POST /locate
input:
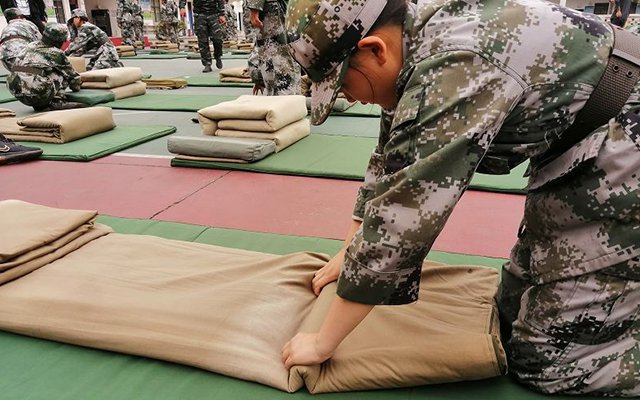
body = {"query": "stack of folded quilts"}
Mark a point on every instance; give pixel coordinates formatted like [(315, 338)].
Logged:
[(246, 129), (59, 126), (126, 51), (240, 74), (165, 83), (122, 82), (139, 44), (78, 63), (166, 46)]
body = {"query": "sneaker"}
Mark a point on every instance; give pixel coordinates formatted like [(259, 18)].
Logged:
[(66, 105), (207, 68), (10, 152), (219, 63)]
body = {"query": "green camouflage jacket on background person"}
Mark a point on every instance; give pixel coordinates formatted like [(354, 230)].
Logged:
[(15, 37)]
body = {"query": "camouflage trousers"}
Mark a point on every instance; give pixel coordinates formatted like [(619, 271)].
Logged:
[(570, 295), (280, 72), (36, 91), (10, 49), (208, 26), (168, 30), (106, 57), (127, 32)]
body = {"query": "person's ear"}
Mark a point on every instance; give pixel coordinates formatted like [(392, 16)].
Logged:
[(376, 46)]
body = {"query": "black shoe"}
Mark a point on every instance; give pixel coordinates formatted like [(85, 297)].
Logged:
[(66, 105), (207, 68), (219, 63), (10, 152)]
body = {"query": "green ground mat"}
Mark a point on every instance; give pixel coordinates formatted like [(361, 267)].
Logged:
[(5, 95), (342, 157), (91, 96), (225, 56), (360, 110), (102, 144), (149, 56), (212, 80), (37, 369), (174, 102)]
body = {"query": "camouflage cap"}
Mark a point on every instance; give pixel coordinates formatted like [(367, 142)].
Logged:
[(322, 35), (55, 34), (12, 13), (78, 12)]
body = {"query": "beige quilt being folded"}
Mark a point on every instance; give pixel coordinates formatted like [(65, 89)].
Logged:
[(283, 137), (230, 311), (79, 64), (60, 126), (133, 89), (253, 113), (110, 77)]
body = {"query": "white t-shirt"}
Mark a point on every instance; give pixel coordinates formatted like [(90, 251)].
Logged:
[(23, 6)]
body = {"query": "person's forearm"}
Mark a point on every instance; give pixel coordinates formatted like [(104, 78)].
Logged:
[(353, 228), (341, 320)]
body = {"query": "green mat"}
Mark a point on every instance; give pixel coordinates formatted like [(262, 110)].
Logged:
[(5, 95), (149, 56), (225, 56), (91, 96), (342, 157), (166, 102), (38, 369), (212, 80), (102, 144), (360, 110)]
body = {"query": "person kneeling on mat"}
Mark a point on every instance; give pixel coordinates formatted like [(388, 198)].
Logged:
[(42, 73)]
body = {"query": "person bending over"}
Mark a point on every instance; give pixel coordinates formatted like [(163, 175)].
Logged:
[(89, 37)]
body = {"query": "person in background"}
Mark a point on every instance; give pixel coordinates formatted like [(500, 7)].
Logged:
[(472, 86), (621, 9), (208, 17), (125, 20), (16, 36), (138, 22), (42, 73), (89, 37), (168, 24), (33, 10)]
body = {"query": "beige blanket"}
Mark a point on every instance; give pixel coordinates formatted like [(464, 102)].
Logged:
[(253, 113), (165, 83), (232, 79), (124, 48), (5, 112), (283, 137), (127, 54), (211, 159), (59, 126), (230, 311), (79, 64), (110, 77), (240, 72), (133, 89)]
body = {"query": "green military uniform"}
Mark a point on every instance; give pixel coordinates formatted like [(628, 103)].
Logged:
[(168, 24), (43, 72), (279, 71), (486, 85), (138, 21), (126, 22), (207, 26), (16, 36), (230, 28), (89, 37)]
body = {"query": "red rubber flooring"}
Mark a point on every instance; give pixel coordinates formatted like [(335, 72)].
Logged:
[(482, 223)]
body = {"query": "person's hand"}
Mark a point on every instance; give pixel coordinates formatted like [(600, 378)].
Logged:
[(255, 19), (183, 12), (327, 274), (303, 349), (618, 13), (222, 19), (257, 89)]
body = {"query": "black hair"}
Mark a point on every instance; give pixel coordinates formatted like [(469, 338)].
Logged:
[(393, 14)]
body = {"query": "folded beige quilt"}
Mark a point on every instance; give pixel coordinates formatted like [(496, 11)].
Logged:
[(5, 112), (283, 137), (110, 77), (165, 83), (240, 72), (59, 126), (230, 311), (78, 63), (253, 113), (211, 159), (231, 79), (124, 48), (133, 89), (127, 54)]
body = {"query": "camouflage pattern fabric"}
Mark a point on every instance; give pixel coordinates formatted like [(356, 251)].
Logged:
[(230, 29), (208, 26), (254, 68), (14, 38), (206, 7), (90, 37), (250, 32), (125, 19), (485, 85), (168, 24), (138, 21), (280, 72), (40, 90)]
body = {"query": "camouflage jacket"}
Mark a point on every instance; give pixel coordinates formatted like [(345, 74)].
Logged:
[(57, 69), (169, 12), (206, 7), (15, 37), (89, 37), (485, 85), (259, 4), (136, 10), (124, 11)]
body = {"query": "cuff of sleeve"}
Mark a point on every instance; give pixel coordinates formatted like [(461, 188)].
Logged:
[(359, 284)]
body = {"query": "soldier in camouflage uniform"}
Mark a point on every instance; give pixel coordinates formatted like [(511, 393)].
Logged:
[(125, 19), (42, 72), (16, 36), (168, 24), (230, 28), (89, 37), (208, 17), (253, 62), (483, 85), (138, 21), (280, 72)]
